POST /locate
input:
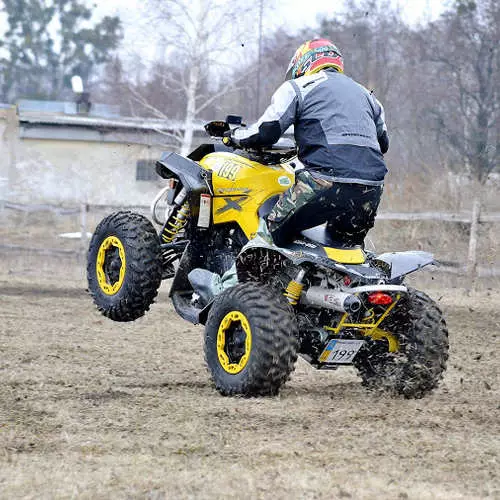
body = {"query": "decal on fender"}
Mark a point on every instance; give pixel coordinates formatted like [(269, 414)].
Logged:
[(228, 170), (232, 204), (284, 181), (235, 190), (205, 209)]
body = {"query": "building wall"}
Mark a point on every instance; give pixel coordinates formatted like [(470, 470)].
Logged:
[(8, 147), (77, 171), (36, 170)]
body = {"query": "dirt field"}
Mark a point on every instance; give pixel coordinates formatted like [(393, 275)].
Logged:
[(94, 409)]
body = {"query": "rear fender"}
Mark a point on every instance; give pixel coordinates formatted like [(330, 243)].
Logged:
[(258, 254), (403, 263), (253, 263)]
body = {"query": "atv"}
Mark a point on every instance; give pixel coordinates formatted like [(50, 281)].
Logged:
[(332, 304)]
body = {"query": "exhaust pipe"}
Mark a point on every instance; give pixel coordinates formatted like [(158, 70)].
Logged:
[(331, 299)]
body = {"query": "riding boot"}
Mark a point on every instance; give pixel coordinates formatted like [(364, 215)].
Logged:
[(207, 284)]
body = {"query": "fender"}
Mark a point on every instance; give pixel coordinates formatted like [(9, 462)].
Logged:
[(403, 263), (194, 178), (258, 247)]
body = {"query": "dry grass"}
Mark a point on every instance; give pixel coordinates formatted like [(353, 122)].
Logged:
[(437, 189), (448, 241), (96, 409)]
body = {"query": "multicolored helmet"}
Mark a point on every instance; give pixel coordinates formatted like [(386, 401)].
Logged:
[(313, 56)]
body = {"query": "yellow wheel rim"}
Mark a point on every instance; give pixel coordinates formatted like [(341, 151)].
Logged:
[(107, 279), (233, 350)]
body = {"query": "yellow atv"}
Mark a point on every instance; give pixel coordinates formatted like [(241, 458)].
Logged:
[(333, 305)]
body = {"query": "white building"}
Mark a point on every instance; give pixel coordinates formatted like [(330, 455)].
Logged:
[(52, 154)]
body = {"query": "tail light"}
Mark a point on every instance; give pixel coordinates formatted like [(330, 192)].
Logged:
[(380, 299)]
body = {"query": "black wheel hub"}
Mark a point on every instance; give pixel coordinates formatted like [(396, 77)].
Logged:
[(235, 342), (112, 265)]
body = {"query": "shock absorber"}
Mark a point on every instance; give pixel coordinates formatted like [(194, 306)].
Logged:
[(175, 222), (294, 288)]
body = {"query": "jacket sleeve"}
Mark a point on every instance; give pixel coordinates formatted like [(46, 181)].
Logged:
[(382, 135), (280, 114)]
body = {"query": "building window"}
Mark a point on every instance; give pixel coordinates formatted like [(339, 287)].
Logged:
[(146, 170)]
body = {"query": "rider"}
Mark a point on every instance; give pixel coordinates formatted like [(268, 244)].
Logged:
[(341, 135)]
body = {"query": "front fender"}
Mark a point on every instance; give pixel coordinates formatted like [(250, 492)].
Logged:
[(403, 263), (193, 177)]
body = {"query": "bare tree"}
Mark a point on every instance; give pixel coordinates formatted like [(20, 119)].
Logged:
[(464, 49), (201, 38)]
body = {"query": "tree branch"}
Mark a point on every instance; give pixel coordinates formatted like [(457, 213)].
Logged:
[(139, 98), (229, 87)]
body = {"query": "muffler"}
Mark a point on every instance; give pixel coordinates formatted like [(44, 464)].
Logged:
[(316, 296)]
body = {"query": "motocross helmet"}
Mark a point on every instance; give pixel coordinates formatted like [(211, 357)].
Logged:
[(313, 56)]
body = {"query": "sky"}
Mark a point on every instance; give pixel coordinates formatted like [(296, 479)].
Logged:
[(281, 13), (293, 13), (289, 13)]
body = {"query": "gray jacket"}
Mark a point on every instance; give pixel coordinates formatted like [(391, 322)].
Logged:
[(339, 127)]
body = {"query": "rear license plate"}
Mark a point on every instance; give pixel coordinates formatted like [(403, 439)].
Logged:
[(340, 351)]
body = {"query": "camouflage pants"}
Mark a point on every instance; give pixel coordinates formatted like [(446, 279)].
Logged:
[(305, 188), (348, 209)]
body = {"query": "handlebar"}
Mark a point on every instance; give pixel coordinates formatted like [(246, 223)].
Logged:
[(284, 148)]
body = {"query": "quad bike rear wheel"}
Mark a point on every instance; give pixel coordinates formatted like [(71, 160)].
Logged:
[(418, 366), (124, 268), (250, 341)]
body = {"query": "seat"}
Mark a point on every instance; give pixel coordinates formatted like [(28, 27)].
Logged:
[(320, 235), (335, 250)]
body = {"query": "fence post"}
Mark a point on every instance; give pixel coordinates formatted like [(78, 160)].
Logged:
[(474, 229), (83, 227)]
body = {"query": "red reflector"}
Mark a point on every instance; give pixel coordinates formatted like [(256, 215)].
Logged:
[(379, 299)]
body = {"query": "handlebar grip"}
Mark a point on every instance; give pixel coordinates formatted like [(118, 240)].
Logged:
[(229, 140)]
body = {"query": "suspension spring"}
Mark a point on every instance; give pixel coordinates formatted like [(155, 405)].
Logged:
[(175, 223), (294, 288)]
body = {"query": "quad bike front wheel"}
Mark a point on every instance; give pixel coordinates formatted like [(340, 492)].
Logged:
[(123, 268), (418, 365), (250, 341)]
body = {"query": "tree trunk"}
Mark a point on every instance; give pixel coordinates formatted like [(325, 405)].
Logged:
[(481, 146), (187, 139)]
